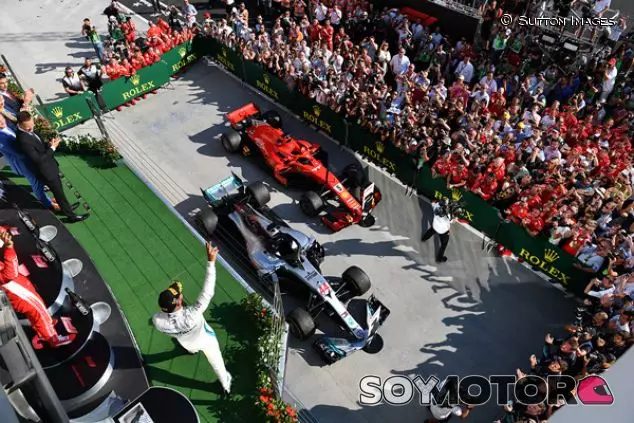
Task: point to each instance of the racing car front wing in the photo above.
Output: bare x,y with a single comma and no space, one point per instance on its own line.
333,349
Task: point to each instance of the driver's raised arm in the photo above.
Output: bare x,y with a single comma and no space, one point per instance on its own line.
209,287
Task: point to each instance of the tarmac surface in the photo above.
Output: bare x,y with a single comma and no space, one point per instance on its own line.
475,314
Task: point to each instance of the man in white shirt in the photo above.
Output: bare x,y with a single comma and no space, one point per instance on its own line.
321,12
480,95
616,31
592,259
400,63
335,16
601,6
441,225
190,12
439,90
609,79
187,324
465,68
489,82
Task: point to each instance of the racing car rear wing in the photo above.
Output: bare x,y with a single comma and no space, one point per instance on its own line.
242,113
216,193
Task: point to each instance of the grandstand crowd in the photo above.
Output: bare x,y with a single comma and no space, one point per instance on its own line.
547,142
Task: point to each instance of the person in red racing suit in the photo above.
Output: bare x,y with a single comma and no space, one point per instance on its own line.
23,296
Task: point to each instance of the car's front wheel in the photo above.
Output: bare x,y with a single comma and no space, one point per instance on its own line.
311,203
356,280
301,323
231,141
207,222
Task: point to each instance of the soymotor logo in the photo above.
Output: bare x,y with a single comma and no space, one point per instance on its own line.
478,390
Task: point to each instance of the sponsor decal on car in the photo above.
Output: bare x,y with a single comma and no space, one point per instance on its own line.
324,288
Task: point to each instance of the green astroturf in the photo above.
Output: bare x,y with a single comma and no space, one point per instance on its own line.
139,246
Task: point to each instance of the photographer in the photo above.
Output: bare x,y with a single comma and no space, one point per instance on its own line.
445,212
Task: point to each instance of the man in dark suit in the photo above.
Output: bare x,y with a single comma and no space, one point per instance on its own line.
18,163
41,160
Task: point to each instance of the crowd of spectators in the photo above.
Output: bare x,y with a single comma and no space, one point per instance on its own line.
549,146
600,335
545,137
125,51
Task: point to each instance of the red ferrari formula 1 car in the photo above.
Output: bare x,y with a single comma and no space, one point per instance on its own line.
341,200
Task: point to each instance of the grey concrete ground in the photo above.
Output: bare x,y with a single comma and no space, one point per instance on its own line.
474,314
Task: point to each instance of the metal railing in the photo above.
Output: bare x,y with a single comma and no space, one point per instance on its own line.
471,8
279,333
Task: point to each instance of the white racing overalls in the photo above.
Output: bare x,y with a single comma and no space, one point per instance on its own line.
189,328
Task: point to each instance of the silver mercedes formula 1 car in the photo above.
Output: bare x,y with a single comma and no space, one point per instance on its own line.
281,254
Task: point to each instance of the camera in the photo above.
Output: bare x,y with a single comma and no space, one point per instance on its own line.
450,208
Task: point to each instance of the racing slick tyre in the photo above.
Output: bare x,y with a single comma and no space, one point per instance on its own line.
272,118
353,174
231,141
301,323
356,280
259,194
311,203
207,221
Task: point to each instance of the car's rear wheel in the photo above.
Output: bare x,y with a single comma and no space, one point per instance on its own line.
353,174
231,141
311,203
356,280
301,323
272,118
207,222
259,194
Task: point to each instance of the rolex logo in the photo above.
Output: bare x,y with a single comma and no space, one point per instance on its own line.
317,110
267,79
135,79
550,255
182,52
380,147
456,195
224,52
58,112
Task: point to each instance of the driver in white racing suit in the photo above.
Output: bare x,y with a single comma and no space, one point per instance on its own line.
187,323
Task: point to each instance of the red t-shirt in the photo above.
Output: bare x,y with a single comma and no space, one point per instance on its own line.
138,62
441,167
534,223
499,171
315,32
459,175
113,72
154,31
488,188
150,57
573,245
165,27
125,70
519,210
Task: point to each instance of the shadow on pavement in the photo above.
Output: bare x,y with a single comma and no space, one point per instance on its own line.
492,335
